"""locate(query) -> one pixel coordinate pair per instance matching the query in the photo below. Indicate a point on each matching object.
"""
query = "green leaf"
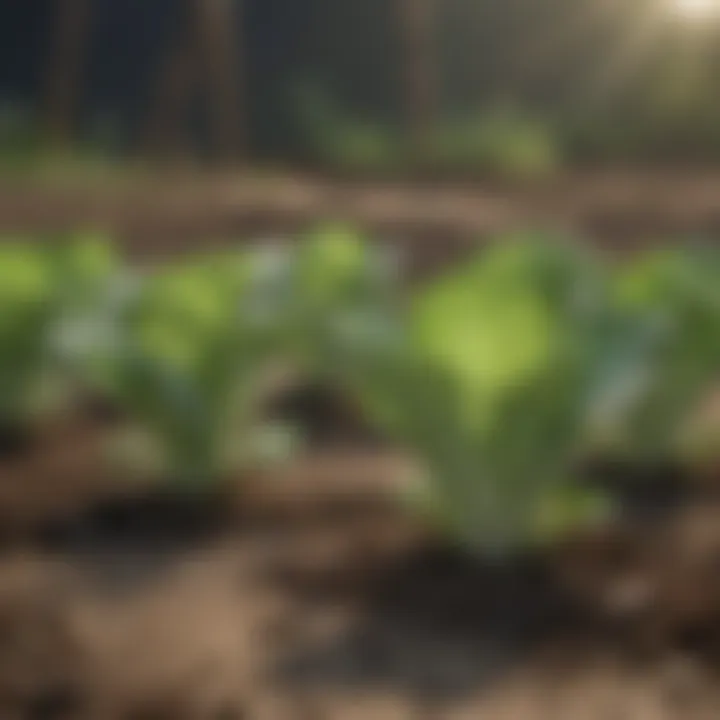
(489, 378)
(673, 299)
(184, 359)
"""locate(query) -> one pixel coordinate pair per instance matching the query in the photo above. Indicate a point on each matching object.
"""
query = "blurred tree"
(65, 69)
(166, 135)
(218, 32)
(201, 57)
(418, 30)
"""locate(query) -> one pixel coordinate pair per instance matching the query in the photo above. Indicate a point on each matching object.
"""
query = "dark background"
(626, 67)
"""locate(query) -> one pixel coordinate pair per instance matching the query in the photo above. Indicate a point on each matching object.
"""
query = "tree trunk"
(218, 32)
(166, 135)
(65, 73)
(416, 20)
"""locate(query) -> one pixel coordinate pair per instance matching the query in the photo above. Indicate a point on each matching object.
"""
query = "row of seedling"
(500, 376)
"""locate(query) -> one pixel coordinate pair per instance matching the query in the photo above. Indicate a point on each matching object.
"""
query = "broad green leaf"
(489, 378)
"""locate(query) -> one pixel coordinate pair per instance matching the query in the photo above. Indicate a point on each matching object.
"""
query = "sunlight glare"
(697, 9)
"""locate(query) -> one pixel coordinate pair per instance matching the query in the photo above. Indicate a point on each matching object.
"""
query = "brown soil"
(158, 214)
(309, 593)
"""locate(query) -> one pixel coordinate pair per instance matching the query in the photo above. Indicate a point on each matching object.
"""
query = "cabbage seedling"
(489, 378)
(41, 287)
(672, 300)
(184, 357)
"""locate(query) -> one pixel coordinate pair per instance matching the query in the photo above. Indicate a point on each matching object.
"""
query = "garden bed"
(157, 215)
(204, 570)
(311, 593)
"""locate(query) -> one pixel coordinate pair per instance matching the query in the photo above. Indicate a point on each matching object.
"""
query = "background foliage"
(612, 78)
